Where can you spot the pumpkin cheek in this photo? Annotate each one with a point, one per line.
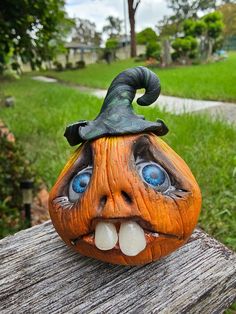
(116, 194)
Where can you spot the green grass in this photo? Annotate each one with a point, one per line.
(216, 81)
(42, 112)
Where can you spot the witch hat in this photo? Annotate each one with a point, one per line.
(117, 116)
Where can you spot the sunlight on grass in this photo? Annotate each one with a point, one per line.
(42, 112)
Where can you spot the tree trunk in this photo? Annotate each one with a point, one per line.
(166, 61)
(132, 10)
(210, 49)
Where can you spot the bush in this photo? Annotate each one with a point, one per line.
(15, 66)
(14, 168)
(146, 36)
(58, 65)
(175, 55)
(80, 64)
(10, 75)
(194, 28)
(184, 47)
(153, 50)
(69, 65)
(112, 43)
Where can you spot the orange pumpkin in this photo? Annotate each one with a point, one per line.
(126, 199)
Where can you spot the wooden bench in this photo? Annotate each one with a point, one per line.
(39, 274)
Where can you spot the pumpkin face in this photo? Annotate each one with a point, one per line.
(125, 200)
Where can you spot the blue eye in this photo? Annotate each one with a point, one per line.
(79, 184)
(153, 175)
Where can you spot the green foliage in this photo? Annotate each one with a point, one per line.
(199, 28)
(112, 43)
(69, 65)
(153, 50)
(80, 64)
(146, 36)
(208, 30)
(184, 47)
(33, 30)
(214, 24)
(58, 65)
(185, 9)
(15, 66)
(10, 220)
(149, 38)
(194, 28)
(228, 11)
(14, 168)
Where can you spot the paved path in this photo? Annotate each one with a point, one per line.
(44, 79)
(171, 104)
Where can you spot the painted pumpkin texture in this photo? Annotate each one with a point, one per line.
(124, 197)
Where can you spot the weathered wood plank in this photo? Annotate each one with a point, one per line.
(39, 274)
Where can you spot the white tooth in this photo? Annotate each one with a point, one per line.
(105, 236)
(131, 238)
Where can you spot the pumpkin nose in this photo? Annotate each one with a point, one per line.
(127, 198)
(118, 204)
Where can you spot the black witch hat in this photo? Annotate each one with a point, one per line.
(117, 116)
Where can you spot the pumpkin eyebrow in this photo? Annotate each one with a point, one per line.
(141, 148)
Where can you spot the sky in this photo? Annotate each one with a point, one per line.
(149, 12)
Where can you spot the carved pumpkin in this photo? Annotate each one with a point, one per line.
(124, 198)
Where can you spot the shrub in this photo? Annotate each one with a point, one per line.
(80, 64)
(175, 55)
(153, 50)
(184, 47)
(69, 65)
(15, 66)
(58, 65)
(146, 36)
(112, 43)
(14, 168)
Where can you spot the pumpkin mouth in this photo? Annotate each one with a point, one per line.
(129, 236)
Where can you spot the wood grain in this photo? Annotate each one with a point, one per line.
(39, 274)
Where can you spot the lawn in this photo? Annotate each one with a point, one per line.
(43, 110)
(214, 81)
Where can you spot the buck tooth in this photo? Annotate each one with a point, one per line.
(131, 238)
(105, 236)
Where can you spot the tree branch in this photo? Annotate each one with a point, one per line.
(136, 6)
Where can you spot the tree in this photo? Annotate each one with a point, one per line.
(145, 36)
(214, 29)
(85, 32)
(32, 30)
(185, 48)
(132, 8)
(229, 18)
(185, 9)
(149, 38)
(208, 29)
(113, 27)
(167, 27)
